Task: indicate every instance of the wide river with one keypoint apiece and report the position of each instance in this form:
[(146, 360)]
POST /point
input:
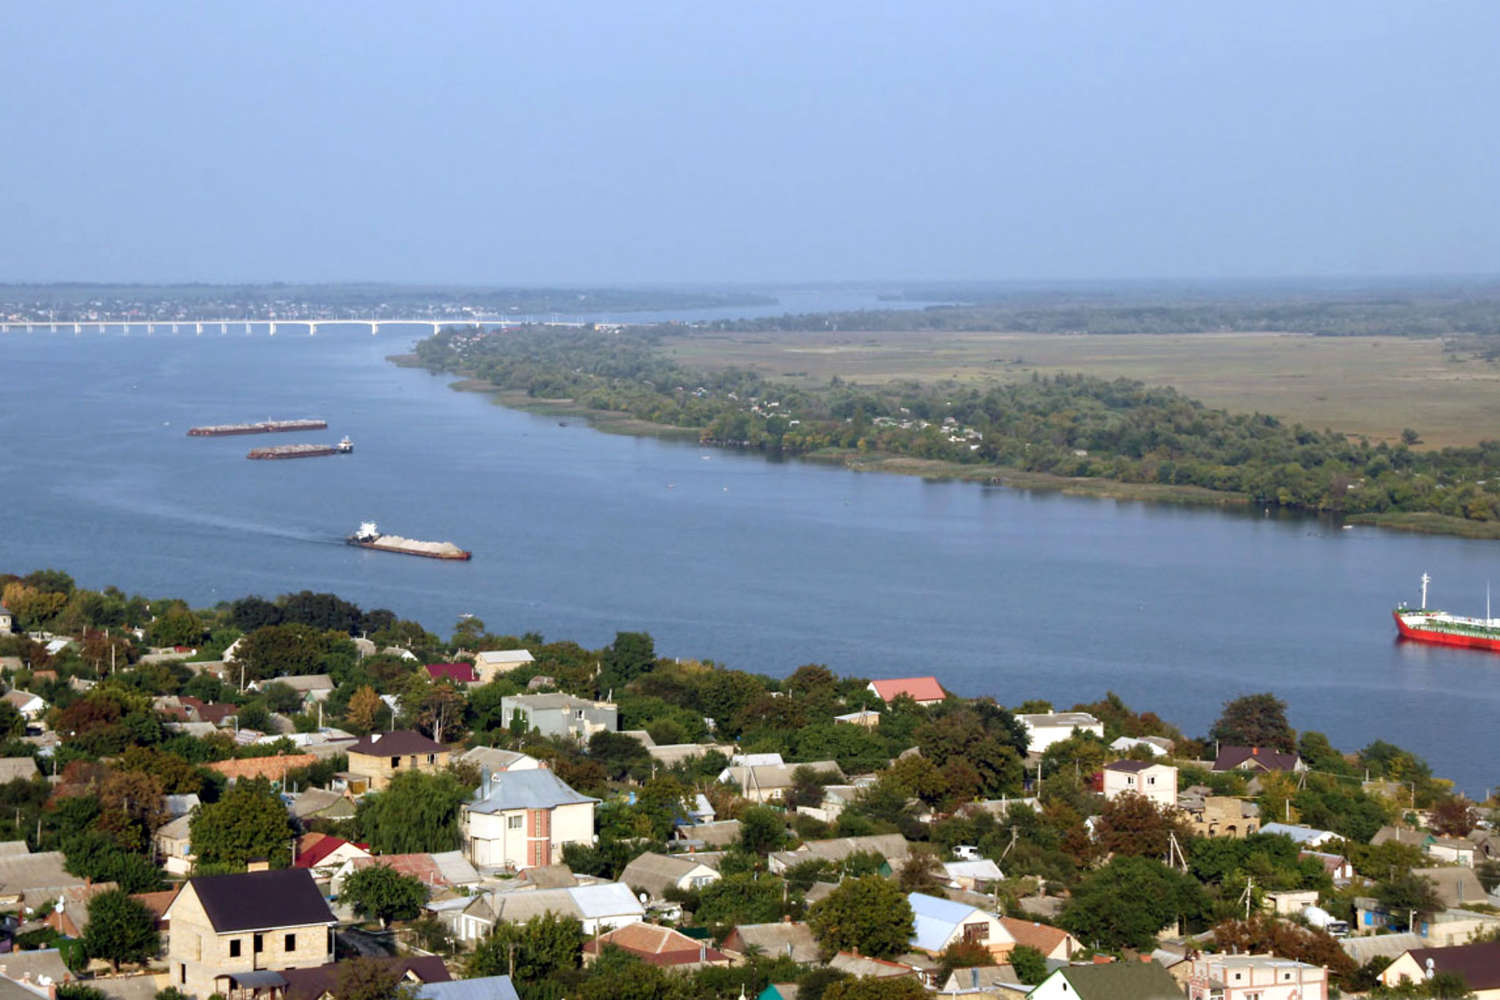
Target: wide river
[(755, 564)]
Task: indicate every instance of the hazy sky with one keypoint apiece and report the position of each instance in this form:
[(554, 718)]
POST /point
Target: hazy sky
[(714, 141)]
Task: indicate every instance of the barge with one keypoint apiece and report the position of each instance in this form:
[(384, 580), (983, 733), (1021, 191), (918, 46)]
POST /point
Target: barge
[(263, 427), (369, 537), (344, 447)]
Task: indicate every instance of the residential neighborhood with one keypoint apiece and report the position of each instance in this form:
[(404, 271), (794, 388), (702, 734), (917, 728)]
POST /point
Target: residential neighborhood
[(266, 809)]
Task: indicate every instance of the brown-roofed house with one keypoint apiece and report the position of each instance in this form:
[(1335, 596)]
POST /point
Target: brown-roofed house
[(274, 768), (71, 915), (1478, 964), (319, 982), (656, 946), (158, 903), (381, 756), (1233, 758), (1052, 942)]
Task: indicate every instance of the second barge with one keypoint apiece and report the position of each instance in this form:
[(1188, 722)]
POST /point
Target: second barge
[(263, 427)]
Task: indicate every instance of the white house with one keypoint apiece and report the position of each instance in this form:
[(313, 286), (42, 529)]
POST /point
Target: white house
[(1157, 746), (523, 819), (1047, 728), (942, 922), (600, 907), (1156, 782), (496, 760), (654, 874), (1256, 977), (1304, 836), (29, 705)]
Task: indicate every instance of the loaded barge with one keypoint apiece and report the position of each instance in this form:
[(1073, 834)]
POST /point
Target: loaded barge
[(1444, 629), (369, 537), (263, 427), (344, 447)]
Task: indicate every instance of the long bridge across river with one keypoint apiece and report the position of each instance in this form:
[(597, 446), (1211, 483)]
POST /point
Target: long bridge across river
[(226, 326)]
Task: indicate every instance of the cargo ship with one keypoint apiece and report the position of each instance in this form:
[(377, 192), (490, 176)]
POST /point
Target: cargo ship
[(344, 447), (1424, 625), (369, 537), (263, 427)]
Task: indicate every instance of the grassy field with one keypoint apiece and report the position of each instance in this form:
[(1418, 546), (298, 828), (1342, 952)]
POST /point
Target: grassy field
[(1373, 386)]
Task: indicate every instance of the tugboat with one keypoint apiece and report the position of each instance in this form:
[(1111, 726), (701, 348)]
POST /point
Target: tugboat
[(369, 537), (345, 446), (1439, 627)]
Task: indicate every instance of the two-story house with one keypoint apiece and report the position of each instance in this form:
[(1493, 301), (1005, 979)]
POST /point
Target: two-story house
[(1046, 728), (1256, 977), (1156, 782), (379, 757), (231, 932), (522, 819), (561, 715), (492, 663)]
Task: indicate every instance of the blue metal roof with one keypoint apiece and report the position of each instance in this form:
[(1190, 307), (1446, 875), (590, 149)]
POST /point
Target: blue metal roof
[(936, 920), (484, 988)]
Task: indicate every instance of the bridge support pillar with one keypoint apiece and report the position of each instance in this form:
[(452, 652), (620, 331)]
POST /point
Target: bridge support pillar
[(273, 328), (374, 327)]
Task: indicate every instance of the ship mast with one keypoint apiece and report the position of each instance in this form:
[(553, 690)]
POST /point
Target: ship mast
[(1425, 580)]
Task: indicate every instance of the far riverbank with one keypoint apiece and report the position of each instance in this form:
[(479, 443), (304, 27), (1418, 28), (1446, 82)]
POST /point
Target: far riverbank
[(611, 422)]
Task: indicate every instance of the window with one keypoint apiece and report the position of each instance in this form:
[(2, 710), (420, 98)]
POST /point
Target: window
[(182, 972), (976, 932), (234, 948), (289, 943), (514, 822), (432, 758), (260, 943), (395, 763)]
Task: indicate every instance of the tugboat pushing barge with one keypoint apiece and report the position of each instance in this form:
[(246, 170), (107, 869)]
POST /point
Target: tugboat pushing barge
[(344, 447), (1444, 629), (369, 537)]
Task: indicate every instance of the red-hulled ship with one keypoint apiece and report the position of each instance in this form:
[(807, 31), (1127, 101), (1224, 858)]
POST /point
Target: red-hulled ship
[(1423, 625)]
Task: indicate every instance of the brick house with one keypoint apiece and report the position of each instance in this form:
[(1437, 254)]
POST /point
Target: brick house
[(381, 756), (230, 932)]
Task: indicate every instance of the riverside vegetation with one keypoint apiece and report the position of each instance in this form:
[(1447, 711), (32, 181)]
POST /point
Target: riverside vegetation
[(116, 757), (1071, 428)]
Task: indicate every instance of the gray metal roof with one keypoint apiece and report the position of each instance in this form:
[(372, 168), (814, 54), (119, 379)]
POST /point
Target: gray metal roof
[(484, 988), (540, 789)]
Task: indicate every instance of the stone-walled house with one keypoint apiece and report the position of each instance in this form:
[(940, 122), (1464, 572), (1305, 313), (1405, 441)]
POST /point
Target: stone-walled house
[(381, 756)]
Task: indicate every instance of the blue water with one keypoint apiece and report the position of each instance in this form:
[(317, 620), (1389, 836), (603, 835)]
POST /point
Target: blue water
[(756, 564)]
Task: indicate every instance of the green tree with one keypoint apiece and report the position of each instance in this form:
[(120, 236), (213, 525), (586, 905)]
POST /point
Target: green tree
[(1125, 903), (365, 978), (742, 898), (120, 929), (631, 655), (249, 822), (529, 952), (1255, 720), (416, 813), (762, 830), (382, 892), (868, 914), (868, 988), (1030, 964), (1408, 894)]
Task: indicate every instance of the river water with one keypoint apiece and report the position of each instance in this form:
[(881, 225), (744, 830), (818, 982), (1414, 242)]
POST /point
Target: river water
[(755, 564)]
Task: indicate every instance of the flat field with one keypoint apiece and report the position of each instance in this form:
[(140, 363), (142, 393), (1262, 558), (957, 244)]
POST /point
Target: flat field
[(1372, 386)]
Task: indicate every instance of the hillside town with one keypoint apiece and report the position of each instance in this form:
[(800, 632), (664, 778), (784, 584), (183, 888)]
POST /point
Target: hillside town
[(298, 799)]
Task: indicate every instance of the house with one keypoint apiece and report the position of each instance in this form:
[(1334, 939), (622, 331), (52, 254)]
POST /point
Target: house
[(228, 929), (1156, 746), (923, 690), (654, 874), (1155, 782), (174, 847), (31, 880), (985, 981), (599, 907), (779, 991), (381, 756), (561, 714), (1336, 865), (1302, 836), (973, 876), (792, 939), (29, 705), (7, 621), (1052, 942), (312, 687), (1478, 964), (1110, 981), (323, 854), (723, 833), (1256, 977), (1453, 924), (491, 663), (524, 818), (769, 782), (864, 967), (456, 673), (891, 846), (443, 870), (864, 718), (942, 922), (1218, 815), (1045, 729), (1454, 850), (70, 910), (320, 803), (655, 945), (1260, 759), (321, 982), (18, 769), (497, 761), (480, 988)]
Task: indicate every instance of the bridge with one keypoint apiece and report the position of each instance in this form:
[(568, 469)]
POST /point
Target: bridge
[(225, 326)]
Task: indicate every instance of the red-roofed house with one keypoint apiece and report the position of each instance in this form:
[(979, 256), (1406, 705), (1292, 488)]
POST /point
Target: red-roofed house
[(323, 854), (657, 945), (1052, 942), (458, 673), (922, 690)]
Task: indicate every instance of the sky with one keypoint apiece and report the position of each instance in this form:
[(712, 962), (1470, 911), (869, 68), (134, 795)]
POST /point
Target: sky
[(592, 142)]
